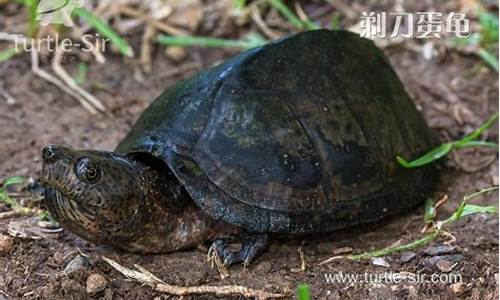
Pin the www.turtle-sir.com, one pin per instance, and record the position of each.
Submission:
(391, 278)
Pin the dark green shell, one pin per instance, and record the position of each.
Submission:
(299, 135)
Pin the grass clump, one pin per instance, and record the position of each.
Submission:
(463, 209)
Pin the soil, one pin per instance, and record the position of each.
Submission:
(453, 99)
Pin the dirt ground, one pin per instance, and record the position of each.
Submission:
(454, 94)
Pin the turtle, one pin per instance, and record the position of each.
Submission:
(295, 137)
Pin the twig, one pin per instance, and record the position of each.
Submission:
(144, 276)
(214, 259)
(46, 76)
(155, 23)
(10, 214)
(99, 57)
(255, 14)
(429, 223)
(8, 98)
(302, 259)
(302, 267)
(176, 71)
(300, 12)
(59, 70)
(147, 38)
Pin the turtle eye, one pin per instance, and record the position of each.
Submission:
(87, 170)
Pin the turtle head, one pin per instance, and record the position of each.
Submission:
(95, 194)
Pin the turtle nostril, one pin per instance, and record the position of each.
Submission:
(49, 153)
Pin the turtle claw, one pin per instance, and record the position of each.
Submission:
(240, 250)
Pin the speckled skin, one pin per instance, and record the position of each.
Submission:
(132, 206)
(297, 136)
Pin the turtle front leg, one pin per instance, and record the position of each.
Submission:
(243, 249)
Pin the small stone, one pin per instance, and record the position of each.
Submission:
(445, 265)
(439, 250)
(407, 256)
(6, 244)
(451, 258)
(379, 261)
(494, 180)
(78, 263)
(176, 54)
(342, 250)
(95, 283)
(458, 288)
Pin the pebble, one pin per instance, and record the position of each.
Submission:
(451, 258)
(458, 288)
(80, 262)
(95, 283)
(439, 250)
(6, 244)
(379, 261)
(176, 54)
(407, 256)
(445, 265)
(343, 250)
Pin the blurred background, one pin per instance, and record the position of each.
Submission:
(80, 73)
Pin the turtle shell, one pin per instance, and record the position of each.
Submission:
(299, 135)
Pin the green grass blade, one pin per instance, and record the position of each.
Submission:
(473, 39)
(489, 28)
(4, 197)
(427, 158)
(476, 133)
(239, 4)
(390, 250)
(201, 41)
(254, 39)
(7, 54)
(31, 6)
(335, 21)
(13, 180)
(477, 144)
(430, 211)
(105, 30)
(287, 13)
(291, 17)
(470, 209)
(458, 213)
(467, 141)
(489, 58)
(303, 292)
